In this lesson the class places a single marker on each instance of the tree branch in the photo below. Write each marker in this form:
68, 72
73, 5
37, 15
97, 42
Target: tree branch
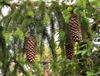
88, 3
50, 44
9, 4
95, 25
20, 66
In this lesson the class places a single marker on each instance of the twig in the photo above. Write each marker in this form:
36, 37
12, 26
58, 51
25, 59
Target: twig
95, 25
20, 66
9, 4
88, 3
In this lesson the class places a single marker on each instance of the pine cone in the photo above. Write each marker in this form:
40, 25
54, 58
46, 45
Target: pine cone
69, 50
74, 28
30, 48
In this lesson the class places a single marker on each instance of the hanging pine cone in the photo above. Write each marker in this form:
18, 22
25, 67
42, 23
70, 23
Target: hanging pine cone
30, 48
74, 28
69, 50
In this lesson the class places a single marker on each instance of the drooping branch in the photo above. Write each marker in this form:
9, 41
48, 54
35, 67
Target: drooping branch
88, 3
50, 44
8, 4
21, 67
52, 23
6, 68
94, 26
5, 52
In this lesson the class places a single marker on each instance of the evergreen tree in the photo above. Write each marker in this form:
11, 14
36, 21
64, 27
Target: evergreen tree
36, 37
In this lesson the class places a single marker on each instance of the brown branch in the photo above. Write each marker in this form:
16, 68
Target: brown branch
88, 3
95, 25
19, 3
9, 4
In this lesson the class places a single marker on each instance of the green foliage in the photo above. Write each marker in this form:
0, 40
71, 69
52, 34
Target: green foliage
90, 74
24, 24
1, 5
95, 2
6, 0
48, 22
18, 34
81, 3
30, 13
7, 36
61, 35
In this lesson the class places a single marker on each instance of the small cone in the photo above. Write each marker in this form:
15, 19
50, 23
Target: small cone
69, 50
74, 28
30, 48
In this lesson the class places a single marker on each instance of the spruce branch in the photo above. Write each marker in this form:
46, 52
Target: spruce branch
60, 19
50, 44
88, 3
52, 23
15, 70
4, 52
21, 67
35, 4
41, 46
6, 68
94, 26
9, 4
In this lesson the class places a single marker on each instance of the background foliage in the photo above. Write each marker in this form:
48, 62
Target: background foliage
47, 21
